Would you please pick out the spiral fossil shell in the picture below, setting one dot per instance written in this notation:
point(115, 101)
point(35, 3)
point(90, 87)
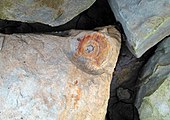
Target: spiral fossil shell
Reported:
point(91, 52)
point(54, 77)
point(94, 47)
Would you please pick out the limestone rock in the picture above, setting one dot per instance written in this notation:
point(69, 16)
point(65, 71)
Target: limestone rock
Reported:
point(52, 12)
point(155, 85)
point(47, 77)
point(145, 22)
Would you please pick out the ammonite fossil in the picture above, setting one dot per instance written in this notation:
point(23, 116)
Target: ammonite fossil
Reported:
point(92, 51)
point(49, 77)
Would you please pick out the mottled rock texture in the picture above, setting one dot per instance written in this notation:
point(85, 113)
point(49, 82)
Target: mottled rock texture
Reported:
point(155, 85)
point(157, 105)
point(145, 22)
point(47, 77)
point(52, 12)
point(89, 19)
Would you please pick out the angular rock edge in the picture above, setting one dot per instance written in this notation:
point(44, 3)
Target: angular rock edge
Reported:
point(156, 70)
point(143, 22)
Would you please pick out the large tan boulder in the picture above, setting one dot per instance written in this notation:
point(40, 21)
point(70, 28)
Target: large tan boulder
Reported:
point(47, 77)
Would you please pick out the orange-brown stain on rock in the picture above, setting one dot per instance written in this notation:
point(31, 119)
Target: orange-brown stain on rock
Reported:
point(93, 46)
point(76, 95)
point(76, 82)
point(50, 3)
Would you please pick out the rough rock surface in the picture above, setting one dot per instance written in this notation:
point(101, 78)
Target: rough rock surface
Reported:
point(157, 105)
point(155, 85)
point(89, 19)
point(47, 77)
point(53, 12)
point(145, 22)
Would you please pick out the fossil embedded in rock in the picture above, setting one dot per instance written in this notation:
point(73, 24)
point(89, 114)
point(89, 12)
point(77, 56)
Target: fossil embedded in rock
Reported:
point(93, 50)
point(38, 79)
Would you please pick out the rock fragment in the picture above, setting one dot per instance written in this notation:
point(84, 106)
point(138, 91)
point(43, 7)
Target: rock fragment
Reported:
point(145, 22)
point(53, 12)
point(153, 96)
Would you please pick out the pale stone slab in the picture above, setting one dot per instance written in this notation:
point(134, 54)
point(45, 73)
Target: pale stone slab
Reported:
point(47, 77)
point(145, 22)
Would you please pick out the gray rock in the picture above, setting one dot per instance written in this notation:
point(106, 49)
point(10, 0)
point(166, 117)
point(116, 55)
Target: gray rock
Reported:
point(145, 22)
point(155, 85)
point(47, 77)
point(156, 70)
point(54, 12)
point(157, 105)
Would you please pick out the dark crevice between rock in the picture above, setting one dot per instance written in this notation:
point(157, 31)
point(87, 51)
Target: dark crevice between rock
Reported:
point(139, 84)
point(123, 87)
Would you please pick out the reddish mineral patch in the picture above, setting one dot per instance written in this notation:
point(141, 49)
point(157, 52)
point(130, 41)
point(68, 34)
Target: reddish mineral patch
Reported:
point(94, 47)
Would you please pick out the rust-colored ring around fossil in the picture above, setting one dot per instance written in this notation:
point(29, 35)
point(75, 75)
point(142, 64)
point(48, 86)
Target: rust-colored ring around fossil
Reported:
point(94, 47)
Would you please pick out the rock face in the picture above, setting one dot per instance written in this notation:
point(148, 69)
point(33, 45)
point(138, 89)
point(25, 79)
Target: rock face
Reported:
point(145, 22)
point(53, 12)
point(46, 77)
point(157, 105)
point(155, 85)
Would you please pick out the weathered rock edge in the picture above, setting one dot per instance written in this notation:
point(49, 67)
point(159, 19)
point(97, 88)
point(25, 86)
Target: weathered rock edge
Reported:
point(155, 72)
point(53, 12)
point(153, 96)
point(145, 22)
